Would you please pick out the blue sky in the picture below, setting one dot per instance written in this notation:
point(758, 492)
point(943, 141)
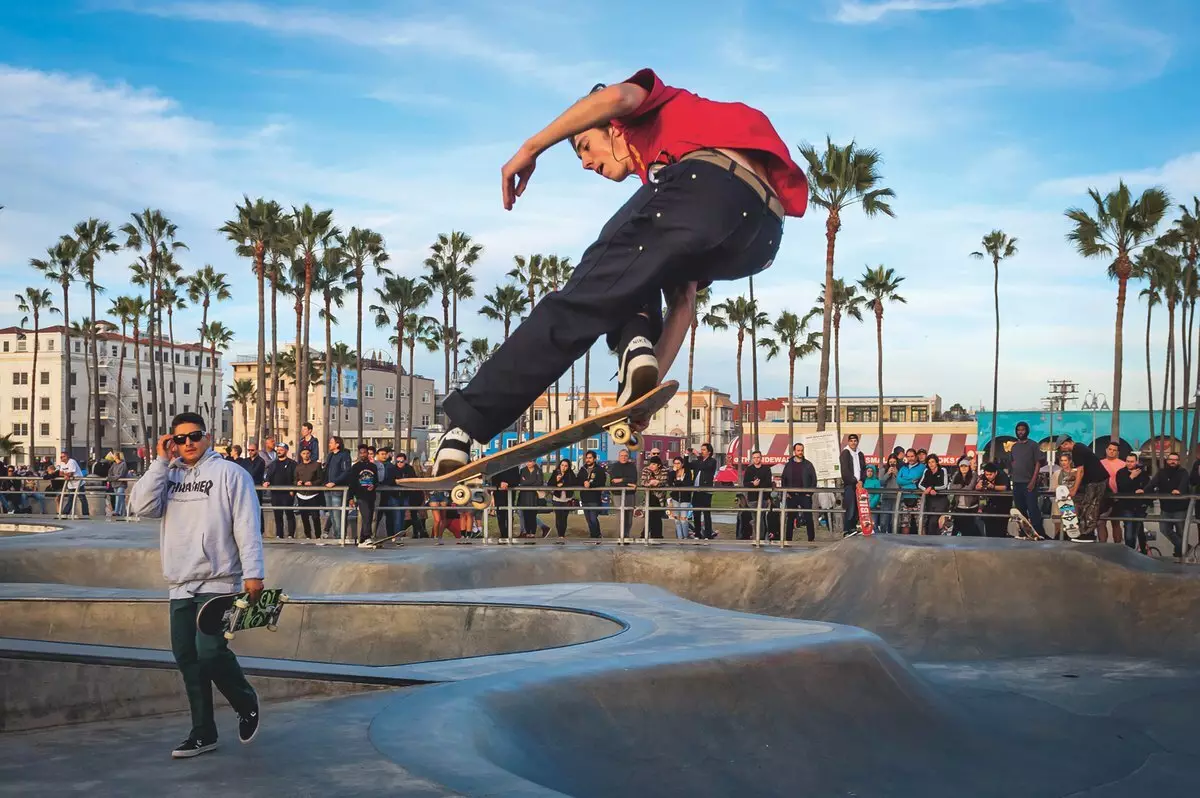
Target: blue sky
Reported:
point(989, 113)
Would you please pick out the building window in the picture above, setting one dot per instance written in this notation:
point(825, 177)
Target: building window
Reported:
point(171, 386)
point(187, 388)
point(20, 378)
point(389, 393)
point(176, 358)
point(45, 378)
point(404, 392)
point(103, 380)
point(74, 377)
point(389, 418)
point(808, 415)
point(896, 414)
point(695, 414)
point(133, 430)
point(920, 414)
point(133, 406)
point(114, 350)
point(45, 430)
point(134, 382)
point(20, 429)
point(425, 397)
point(537, 415)
point(20, 403)
point(72, 404)
point(369, 391)
point(403, 417)
point(50, 345)
point(45, 403)
point(6, 346)
point(76, 349)
point(862, 413)
point(103, 406)
point(425, 421)
point(369, 417)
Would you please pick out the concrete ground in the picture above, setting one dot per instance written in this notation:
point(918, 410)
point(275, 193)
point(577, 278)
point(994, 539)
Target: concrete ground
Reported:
point(883, 666)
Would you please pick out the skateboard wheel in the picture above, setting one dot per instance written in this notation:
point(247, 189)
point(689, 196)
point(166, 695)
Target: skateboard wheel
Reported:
point(229, 635)
point(283, 598)
point(460, 495)
point(621, 433)
point(272, 627)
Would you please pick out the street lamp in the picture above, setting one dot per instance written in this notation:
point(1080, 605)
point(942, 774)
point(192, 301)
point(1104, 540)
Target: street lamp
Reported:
point(1092, 401)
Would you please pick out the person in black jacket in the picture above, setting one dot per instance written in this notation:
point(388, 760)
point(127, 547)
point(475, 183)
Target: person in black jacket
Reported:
point(363, 481)
point(1132, 480)
point(679, 478)
point(854, 469)
point(386, 476)
point(282, 471)
point(1172, 480)
point(562, 497)
point(704, 469)
point(935, 485)
point(408, 498)
point(799, 472)
point(757, 475)
point(337, 472)
point(531, 477)
point(623, 479)
point(502, 496)
point(592, 475)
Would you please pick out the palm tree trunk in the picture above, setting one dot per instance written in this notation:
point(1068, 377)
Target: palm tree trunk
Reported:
point(33, 389)
point(837, 378)
point(573, 398)
point(273, 392)
point(454, 328)
point(212, 388)
point(1162, 417)
point(399, 379)
point(754, 361)
point(1150, 385)
point(120, 382)
point(260, 402)
point(358, 281)
point(691, 372)
point(996, 360)
point(587, 386)
point(328, 367)
point(99, 439)
point(1171, 353)
point(302, 365)
point(66, 376)
point(87, 373)
point(245, 425)
point(741, 410)
point(137, 368)
point(162, 368)
point(879, 378)
point(791, 414)
point(295, 409)
point(412, 356)
point(529, 412)
point(447, 342)
point(832, 224)
point(339, 401)
point(1185, 332)
point(1119, 355)
point(174, 376)
point(200, 361)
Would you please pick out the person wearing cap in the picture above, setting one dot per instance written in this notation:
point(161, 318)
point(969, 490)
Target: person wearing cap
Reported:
point(854, 467)
point(1091, 481)
point(717, 183)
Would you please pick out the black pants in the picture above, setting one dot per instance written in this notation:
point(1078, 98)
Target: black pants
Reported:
point(560, 522)
point(849, 509)
point(285, 520)
point(800, 512)
point(204, 660)
point(310, 520)
point(697, 222)
point(701, 501)
point(366, 515)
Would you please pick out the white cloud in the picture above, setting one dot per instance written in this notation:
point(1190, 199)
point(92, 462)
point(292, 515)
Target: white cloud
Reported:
point(859, 12)
point(1181, 176)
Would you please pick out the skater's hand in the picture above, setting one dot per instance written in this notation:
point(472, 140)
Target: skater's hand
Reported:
point(166, 447)
point(514, 176)
point(254, 587)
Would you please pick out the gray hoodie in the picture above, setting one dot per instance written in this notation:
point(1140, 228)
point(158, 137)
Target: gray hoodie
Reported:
point(211, 535)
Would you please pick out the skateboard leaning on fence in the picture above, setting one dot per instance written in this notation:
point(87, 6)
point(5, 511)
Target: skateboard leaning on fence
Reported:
point(229, 614)
point(466, 484)
point(1066, 511)
point(866, 524)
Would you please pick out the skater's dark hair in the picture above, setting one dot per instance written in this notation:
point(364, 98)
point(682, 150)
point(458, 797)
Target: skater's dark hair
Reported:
point(188, 418)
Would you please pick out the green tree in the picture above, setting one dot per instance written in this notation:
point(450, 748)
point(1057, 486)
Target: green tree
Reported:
point(362, 246)
point(449, 263)
point(399, 297)
point(341, 358)
point(881, 286)
point(998, 246)
point(840, 177)
point(530, 272)
point(846, 302)
point(242, 393)
point(739, 313)
point(331, 281)
point(505, 303)
point(95, 239)
point(219, 338)
point(203, 287)
point(1121, 225)
point(60, 267)
point(34, 302)
point(122, 309)
point(792, 336)
point(314, 231)
point(703, 300)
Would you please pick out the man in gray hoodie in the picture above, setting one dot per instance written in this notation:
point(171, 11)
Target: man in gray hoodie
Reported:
point(211, 544)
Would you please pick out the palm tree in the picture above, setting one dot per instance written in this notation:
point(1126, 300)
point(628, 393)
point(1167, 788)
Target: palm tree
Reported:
point(1187, 229)
point(34, 302)
point(557, 271)
point(754, 365)
point(399, 297)
point(60, 266)
point(331, 282)
point(170, 280)
point(314, 230)
point(478, 353)
point(1144, 268)
point(203, 287)
point(242, 393)
point(530, 271)
point(846, 302)
point(1120, 227)
point(998, 246)
point(279, 257)
point(449, 263)
point(418, 329)
point(361, 246)
point(505, 303)
point(740, 312)
point(9, 445)
point(219, 337)
point(152, 230)
point(838, 178)
point(793, 336)
point(122, 308)
point(169, 298)
point(83, 330)
point(137, 309)
point(882, 286)
point(95, 238)
point(253, 230)
point(295, 287)
point(341, 357)
point(1169, 273)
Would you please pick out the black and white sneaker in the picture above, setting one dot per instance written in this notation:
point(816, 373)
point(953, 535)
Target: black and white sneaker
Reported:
point(637, 372)
point(453, 452)
point(248, 725)
point(193, 747)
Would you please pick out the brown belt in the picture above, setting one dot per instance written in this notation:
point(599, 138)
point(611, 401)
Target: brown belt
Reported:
point(756, 183)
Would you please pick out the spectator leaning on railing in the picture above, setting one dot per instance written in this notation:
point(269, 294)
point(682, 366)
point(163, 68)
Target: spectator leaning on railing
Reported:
point(1091, 481)
point(1133, 479)
point(1172, 480)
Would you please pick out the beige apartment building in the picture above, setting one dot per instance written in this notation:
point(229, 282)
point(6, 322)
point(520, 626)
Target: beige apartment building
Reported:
point(385, 404)
point(59, 390)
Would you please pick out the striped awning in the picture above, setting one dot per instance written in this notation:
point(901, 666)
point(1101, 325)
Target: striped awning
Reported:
point(777, 448)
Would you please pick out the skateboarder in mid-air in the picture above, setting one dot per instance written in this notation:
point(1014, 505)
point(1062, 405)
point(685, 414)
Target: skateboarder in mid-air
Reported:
point(717, 182)
point(211, 544)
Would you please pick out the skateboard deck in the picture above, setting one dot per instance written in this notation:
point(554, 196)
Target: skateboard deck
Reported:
point(1066, 510)
point(866, 523)
point(1025, 530)
point(617, 422)
point(230, 614)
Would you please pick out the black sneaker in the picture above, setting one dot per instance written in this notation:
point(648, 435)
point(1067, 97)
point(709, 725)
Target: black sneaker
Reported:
point(193, 747)
point(248, 725)
point(637, 370)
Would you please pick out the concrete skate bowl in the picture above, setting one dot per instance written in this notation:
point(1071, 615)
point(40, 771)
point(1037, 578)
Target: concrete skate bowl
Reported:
point(933, 599)
point(349, 633)
point(14, 528)
point(839, 714)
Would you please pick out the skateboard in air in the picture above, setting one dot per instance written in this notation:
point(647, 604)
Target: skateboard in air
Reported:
point(1066, 511)
point(866, 524)
point(466, 484)
point(234, 612)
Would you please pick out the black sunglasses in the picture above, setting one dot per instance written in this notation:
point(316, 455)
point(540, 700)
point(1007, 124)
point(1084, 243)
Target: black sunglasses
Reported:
point(194, 436)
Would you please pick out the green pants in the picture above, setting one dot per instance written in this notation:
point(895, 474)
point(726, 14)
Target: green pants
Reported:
point(205, 660)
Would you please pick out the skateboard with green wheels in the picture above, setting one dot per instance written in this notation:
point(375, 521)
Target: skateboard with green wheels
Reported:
point(466, 484)
point(229, 614)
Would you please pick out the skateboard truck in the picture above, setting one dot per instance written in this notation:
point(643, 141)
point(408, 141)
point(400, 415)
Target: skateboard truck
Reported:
point(471, 493)
point(622, 434)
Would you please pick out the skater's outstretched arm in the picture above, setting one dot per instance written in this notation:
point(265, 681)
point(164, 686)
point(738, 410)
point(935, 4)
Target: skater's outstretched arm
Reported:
point(595, 110)
point(681, 311)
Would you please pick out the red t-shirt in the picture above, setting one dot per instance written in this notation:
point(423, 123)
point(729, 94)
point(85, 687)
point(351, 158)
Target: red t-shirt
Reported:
point(673, 122)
